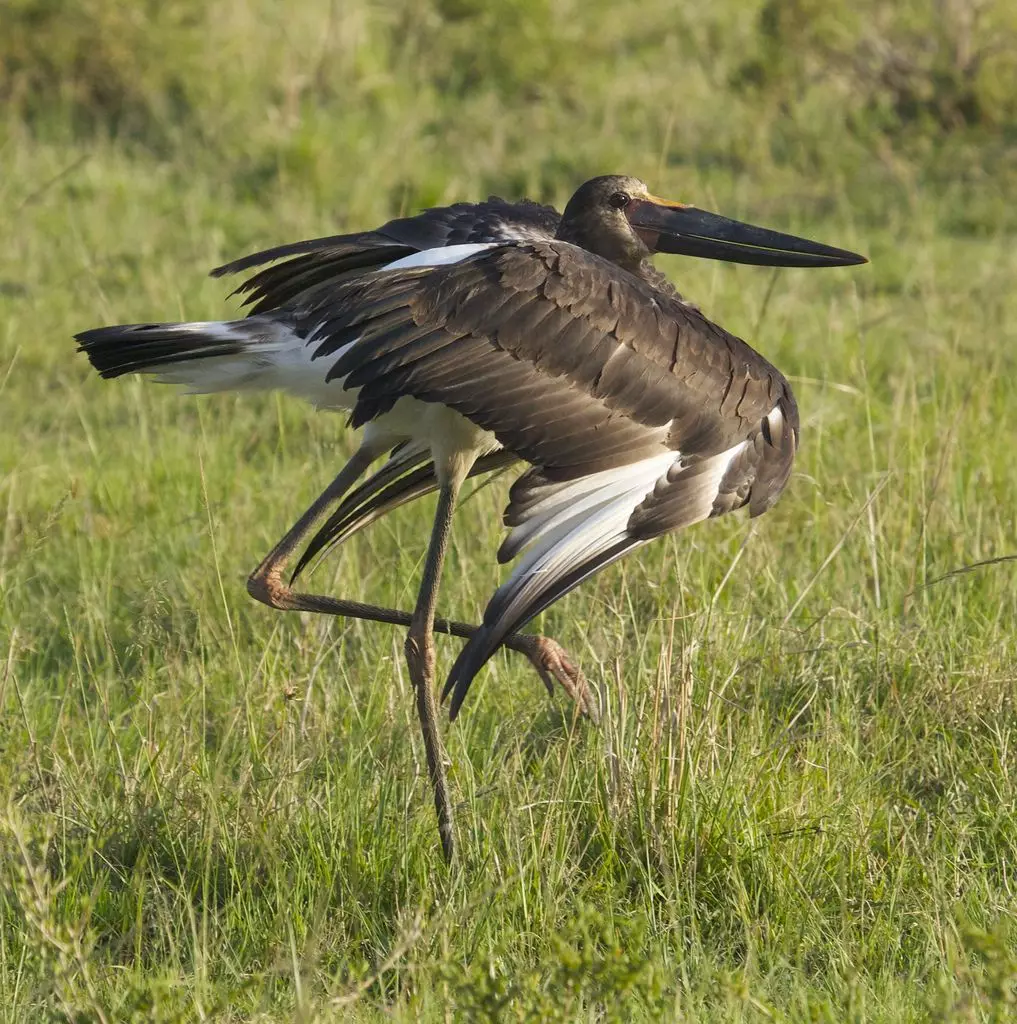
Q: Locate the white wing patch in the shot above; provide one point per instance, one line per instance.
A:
(575, 524)
(440, 256)
(583, 526)
(775, 422)
(573, 502)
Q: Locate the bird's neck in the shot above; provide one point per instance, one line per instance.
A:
(627, 253)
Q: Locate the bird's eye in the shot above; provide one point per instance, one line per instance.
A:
(619, 200)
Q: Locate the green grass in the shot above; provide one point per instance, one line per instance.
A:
(801, 803)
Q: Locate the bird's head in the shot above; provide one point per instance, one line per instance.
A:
(616, 217)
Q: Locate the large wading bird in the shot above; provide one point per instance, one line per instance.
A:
(476, 335)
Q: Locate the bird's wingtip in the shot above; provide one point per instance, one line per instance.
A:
(452, 688)
(471, 660)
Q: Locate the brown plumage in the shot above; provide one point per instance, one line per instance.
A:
(476, 335)
(577, 366)
(578, 370)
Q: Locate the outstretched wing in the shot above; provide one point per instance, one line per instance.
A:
(337, 257)
(637, 413)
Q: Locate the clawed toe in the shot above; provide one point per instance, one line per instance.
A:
(553, 664)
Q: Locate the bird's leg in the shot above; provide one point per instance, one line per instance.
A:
(266, 584)
(420, 655)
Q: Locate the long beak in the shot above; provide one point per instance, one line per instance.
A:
(672, 227)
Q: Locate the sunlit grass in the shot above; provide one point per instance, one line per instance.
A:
(801, 802)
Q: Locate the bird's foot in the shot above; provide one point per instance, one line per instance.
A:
(553, 664)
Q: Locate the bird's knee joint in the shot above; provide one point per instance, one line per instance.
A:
(267, 588)
(419, 650)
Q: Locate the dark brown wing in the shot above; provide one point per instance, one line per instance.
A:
(639, 415)
(575, 365)
(337, 257)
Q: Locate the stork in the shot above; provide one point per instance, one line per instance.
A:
(476, 335)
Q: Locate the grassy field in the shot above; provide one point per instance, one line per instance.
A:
(800, 805)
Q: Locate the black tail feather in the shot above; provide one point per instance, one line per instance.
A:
(133, 348)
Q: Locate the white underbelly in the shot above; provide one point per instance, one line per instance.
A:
(453, 441)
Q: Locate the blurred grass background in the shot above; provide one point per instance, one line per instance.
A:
(801, 803)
